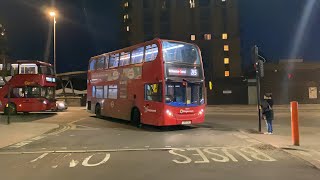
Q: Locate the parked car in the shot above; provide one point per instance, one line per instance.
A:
(61, 105)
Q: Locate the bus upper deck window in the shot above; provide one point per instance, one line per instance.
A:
(151, 52)
(92, 64)
(28, 69)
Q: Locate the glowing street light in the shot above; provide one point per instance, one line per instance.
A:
(54, 14)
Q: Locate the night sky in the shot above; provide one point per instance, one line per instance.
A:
(90, 27)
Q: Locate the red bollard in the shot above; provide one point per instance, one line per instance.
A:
(295, 123)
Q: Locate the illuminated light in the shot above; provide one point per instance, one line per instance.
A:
(226, 60)
(224, 36)
(201, 112)
(45, 102)
(226, 47)
(226, 73)
(193, 37)
(52, 13)
(210, 85)
(169, 113)
(207, 36)
(128, 28)
(20, 105)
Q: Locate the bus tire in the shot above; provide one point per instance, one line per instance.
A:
(98, 111)
(12, 108)
(135, 117)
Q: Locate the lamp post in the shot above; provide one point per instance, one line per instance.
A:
(53, 14)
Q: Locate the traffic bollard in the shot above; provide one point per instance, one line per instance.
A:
(295, 123)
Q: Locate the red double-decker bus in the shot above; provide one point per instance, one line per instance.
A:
(31, 86)
(159, 82)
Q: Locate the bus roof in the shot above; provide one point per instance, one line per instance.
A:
(138, 45)
(33, 62)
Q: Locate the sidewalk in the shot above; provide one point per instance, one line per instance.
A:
(17, 132)
(253, 108)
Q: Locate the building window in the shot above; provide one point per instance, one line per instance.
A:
(126, 4)
(224, 36)
(226, 47)
(192, 3)
(207, 36)
(128, 28)
(226, 60)
(226, 73)
(193, 37)
(126, 17)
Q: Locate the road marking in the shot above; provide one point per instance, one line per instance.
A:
(304, 153)
(40, 157)
(241, 136)
(104, 160)
(37, 138)
(216, 154)
(54, 166)
(73, 163)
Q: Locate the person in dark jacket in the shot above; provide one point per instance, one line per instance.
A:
(267, 111)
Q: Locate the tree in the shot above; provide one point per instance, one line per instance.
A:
(3, 51)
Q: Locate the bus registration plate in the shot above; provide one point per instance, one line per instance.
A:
(186, 122)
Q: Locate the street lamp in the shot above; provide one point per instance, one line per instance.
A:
(53, 14)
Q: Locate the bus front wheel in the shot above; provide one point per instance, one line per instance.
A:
(10, 108)
(135, 117)
(98, 110)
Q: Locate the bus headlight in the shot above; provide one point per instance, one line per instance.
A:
(200, 112)
(169, 113)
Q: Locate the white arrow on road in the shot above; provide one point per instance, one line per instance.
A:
(73, 163)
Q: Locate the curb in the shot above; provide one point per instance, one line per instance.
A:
(293, 151)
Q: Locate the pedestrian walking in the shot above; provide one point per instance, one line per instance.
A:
(267, 111)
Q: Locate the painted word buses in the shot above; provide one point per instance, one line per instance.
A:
(159, 82)
(31, 86)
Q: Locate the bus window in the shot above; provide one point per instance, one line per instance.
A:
(17, 93)
(14, 69)
(114, 60)
(113, 92)
(93, 91)
(28, 69)
(137, 55)
(92, 64)
(151, 52)
(153, 92)
(99, 91)
(124, 58)
(33, 92)
(46, 70)
(105, 92)
(106, 61)
(100, 63)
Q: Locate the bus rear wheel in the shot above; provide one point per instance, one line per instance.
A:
(12, 109)
(98, 110)
(135, 118)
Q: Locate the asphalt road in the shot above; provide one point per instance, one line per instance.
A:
(85, 147)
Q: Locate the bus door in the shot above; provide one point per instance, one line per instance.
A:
(152, 107)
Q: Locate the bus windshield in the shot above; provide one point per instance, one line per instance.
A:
(176, 52)
(184, 94)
